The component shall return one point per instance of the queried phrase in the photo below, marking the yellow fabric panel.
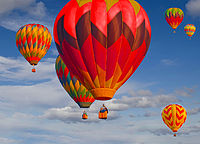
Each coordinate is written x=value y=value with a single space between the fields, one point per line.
x=96 y=82
x=109 y=82
x=77 y=85
x=88 y=83
x=102 y=76
x=173 y=117
x=67 y=88
x=82 y=2
x=136 y=6
x=110 y=3
x=117 y=74
x=119 y=84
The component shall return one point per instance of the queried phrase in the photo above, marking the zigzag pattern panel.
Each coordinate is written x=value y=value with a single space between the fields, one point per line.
x=174 y=116
x=102 y=42
x=74 y=88
x=33 y=42
x=190 y=29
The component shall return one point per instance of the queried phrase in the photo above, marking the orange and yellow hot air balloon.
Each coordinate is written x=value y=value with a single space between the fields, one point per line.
x=174 y=116
x=33 y=42
x=174 y=17
x=190 y=30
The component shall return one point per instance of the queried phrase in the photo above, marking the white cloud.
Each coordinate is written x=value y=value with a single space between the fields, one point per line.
x=185 y=92
x=194 y=111
x=16 y=13
x=7 y=6
x=7 y=141
x=193 y=7
x=18 y=69
x=150 y=114
x=168 y=62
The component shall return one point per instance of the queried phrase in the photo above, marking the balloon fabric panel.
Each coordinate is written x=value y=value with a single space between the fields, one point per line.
x=74 y=88
x=101 y=44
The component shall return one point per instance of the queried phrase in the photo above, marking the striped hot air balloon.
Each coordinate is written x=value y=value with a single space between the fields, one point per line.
x=102 y=42
x=174 y=116
x=190 y=30
x=33 y=42
x=174 y=17
x=74 y=88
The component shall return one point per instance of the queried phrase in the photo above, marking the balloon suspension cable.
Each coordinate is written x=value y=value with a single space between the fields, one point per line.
x=174 y=134
x=33 y=69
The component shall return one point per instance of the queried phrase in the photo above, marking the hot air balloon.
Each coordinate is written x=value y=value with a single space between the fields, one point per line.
x=174 y=17
x=103 y=112
x=174 y=116
x=84 y=116
x=74 y=88
x=102 y=42
x=190 y=30
x=33 y=42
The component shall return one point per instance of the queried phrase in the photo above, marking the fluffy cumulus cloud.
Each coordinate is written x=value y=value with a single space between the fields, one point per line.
x=193 y=7
x=17 y=69
x=15 y=13
x=35 y=108
x=73 y=115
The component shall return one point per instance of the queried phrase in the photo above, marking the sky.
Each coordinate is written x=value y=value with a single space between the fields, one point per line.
x=35 y=109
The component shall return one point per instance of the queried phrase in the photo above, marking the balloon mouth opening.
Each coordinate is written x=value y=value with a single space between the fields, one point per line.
x=103 y=94
x=33 y=62
x=84 y=104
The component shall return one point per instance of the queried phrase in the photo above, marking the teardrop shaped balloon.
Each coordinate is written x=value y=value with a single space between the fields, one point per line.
x=73 y=87
x=174 y=17
x=33 y=42
x=174 y=116
x=102 y=42
x=190 y=30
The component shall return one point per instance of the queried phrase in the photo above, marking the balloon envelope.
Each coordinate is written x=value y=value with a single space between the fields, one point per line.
x=33 y=42
x=102 y=42
x=174 y=17
x=74 y=88
x=174 y=116
x=190 y=29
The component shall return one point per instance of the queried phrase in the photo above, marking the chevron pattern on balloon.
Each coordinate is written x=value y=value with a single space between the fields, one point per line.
x=99 y=44
x=174 y=116
x=74 y=88
x=33 y=42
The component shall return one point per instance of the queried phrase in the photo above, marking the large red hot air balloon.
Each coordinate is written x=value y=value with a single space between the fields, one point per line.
x=102 y=42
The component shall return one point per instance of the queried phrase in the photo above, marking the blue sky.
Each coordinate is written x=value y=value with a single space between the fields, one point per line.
x=35 y=109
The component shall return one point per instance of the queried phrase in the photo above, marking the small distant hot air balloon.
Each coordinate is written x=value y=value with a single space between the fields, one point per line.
x=103 y=112
x=84 y=116
x=102 y=42
x=190 y=30
x=174 y=116
x=33 y=42
x=174 y=17
x=74 y=88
